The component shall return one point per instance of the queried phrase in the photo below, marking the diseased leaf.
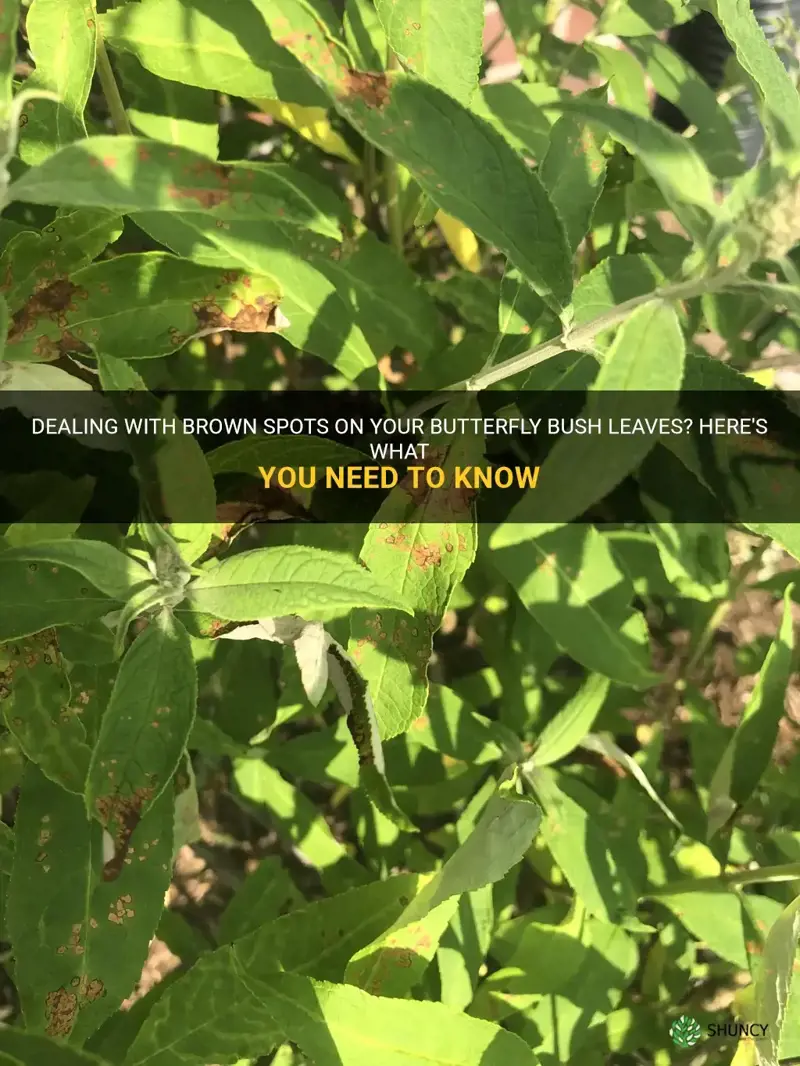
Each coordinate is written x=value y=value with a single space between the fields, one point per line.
x=143 y=732
x=567 y=729
x=230 y=49
x=749 y=750
x=62 y=35
x=79 y=942
x=461 y=241
x=42 y=712
x=464 y=167
x=423 y=546
x=321 y=321
x=312 y=123
x=141 y=306
x=135 y=174
x=109 y=570
x=573 y=172
x=32 y=261
x=395 y=962
x=571 y=583
x=271 y=582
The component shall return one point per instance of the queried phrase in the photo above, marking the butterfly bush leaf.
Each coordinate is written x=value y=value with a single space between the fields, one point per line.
x=749 y=750
x=761 y=61
x=109 y=570
x=32 y=1049
x=135 y=174
x=573 y=172
x=141 y=306
x=9 y=21
x=423 y=545
x=567 y=729
x=570 y=581
x=287 y=580
x=32 y=261
x=62 y=35
x=36 y=596
x=774 y=981
x=230 y=49
x=441 y=44
x=315 y=940
x=320 y=319
x=647 y=357
x=42 y=712
x=395 y=962
x=80 y=942
x=144 y=729
x=459 y=161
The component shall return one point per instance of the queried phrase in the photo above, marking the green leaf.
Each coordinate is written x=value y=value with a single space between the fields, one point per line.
x=675 y=166
x=573 y=172
x=231 y=50
x=62 y=35
x=40 y=711
x=677 y=81
x=395 y=961
x=169 y=111
x=451 y=727
x=571 y=583
x=321 y=321
x=388 y=301
x=459 y=161
x=564 y=733
x=272 y=582
x=117 y=376
x=31 y=261
x=260 y=898
x=109 y=570
x=135 y=174
x=423 y=546
x=441 y=44
x=648 y=17
x=774 y=981
x=605 y=746
x=647 y=358
x=749 y=750
x=79 y=941
x=30 y=1049
x=760 y=60
x=34 y=597
x=9 y=21
x=573 y=830
x=523 y=114
x=144 y=730
x=246 y=455
x=713 y=918
x=364 y=34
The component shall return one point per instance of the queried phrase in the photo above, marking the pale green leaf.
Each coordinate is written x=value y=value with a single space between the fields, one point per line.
x=774 y=981
x=231 y=49
x=272 y=582
x=62 y=36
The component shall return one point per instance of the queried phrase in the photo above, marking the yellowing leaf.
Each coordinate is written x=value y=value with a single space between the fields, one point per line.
x=461 y=240
x=310 y=122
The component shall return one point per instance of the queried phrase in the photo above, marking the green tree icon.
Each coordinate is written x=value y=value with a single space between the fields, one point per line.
x=685 y=1031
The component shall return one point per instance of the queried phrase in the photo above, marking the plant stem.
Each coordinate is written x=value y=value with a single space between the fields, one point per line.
x=394 y=216
x=108 y=83
x=789 y=871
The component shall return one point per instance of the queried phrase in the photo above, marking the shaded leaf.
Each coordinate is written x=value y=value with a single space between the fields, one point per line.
x=34 y=597
x=109 y=570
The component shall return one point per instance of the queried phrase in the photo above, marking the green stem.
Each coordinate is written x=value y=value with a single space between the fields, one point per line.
x=108 y=84
x=789 y=871
x=394 y=215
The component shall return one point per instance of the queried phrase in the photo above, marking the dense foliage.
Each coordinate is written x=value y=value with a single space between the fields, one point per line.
x=467 y=793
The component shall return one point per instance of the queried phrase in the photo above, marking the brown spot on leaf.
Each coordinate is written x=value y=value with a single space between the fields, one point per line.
x=427 y=555
x=60 y=1010
x=371 y=89
x=261 y=316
